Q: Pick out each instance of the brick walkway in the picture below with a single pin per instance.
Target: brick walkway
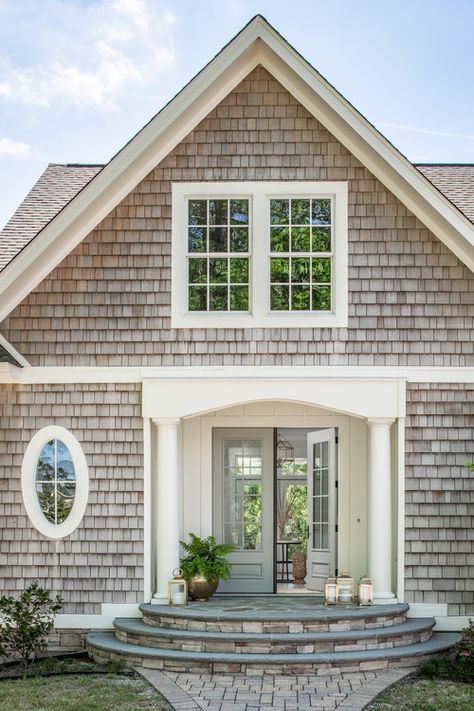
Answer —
(349, 691)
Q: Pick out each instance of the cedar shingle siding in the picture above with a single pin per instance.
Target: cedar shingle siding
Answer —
(102, 560)
(439, 563)
(108, 303)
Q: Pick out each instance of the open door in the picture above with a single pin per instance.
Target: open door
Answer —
(322, 508)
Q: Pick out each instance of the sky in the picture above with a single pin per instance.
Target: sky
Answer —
(78, 78)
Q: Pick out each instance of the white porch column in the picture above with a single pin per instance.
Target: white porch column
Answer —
(167, 505)
(380, 508)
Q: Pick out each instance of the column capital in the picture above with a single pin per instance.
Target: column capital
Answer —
(170, 421)
(381, 421)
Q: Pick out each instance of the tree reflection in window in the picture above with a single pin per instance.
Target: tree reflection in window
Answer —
(55, 481)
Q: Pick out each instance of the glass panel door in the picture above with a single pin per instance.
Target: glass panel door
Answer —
(243, 505)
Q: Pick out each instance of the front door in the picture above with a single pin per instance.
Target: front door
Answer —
(322, 508)
(243, 505)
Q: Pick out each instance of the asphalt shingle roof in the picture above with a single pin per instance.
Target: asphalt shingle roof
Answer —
(54, 189)
(456, 181)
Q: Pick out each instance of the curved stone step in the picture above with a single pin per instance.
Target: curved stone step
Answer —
(135, 631)
(103, 646)
(257, 615)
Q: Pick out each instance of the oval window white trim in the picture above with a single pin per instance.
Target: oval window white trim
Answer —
(28, 482)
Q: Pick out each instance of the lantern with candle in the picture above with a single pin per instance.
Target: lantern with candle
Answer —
(365, 591)
(330, 591)
(345, 588)
(177, 589)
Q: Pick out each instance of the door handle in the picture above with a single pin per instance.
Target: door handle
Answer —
(307, 532)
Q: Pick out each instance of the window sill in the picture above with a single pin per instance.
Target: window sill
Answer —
(277, 320)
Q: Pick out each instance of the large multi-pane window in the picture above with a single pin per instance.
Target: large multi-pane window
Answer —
(218, 255)
(259, 254)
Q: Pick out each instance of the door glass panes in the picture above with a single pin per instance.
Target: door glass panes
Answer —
(320, 503)
(55, 481)
(243, 493)
(218, 259)
(301, 254)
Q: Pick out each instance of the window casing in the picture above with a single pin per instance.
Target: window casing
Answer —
(259, 254)
(55, 481)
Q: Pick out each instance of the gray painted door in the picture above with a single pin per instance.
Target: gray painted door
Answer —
(322, 507)
(243, 505)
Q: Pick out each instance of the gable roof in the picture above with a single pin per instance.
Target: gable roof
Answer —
(257, 44)
(53, 190)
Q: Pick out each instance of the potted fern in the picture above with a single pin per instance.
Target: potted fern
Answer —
(204, 563)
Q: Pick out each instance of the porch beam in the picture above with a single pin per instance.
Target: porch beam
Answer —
(380, 508)
(166, 505)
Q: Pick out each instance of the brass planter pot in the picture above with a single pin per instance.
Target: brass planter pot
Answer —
(200, 589)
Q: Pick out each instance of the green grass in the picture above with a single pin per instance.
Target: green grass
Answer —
(80, 693)
(426, 695)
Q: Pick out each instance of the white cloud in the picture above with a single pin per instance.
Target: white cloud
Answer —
(9, 147)
(115, 45)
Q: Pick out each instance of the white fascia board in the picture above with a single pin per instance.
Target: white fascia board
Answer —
(115, 181)
(129, 374)
(258, 43)
(362, 139)
(13, 352)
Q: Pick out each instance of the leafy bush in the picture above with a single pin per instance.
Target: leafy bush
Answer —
(205, 557)
(459, 667)
(26, 622)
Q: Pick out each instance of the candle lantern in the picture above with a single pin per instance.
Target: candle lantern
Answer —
(330, 591)
(345, 588)
(177, 589)
(365, 591)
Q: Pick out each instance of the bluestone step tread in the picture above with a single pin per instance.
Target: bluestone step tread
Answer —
(246, 611)
(439, 642)
(133, 625)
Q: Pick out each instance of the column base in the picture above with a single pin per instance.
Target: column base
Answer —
(159, 599)
(384, 599)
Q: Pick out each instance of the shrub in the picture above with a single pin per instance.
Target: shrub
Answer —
(26, 622)
(459, 667)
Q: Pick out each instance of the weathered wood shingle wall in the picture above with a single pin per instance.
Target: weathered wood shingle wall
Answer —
(108, 303)
(102, 560)
(440, 496)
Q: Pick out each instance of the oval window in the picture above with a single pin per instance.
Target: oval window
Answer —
(55, 481)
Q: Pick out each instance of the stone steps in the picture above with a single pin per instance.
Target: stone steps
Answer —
(270, 635)
(104, 646)
(134, 631)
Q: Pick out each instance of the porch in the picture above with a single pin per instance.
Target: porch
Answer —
(184, 418)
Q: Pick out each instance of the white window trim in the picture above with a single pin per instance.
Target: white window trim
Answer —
(28, 482)
(259, 193)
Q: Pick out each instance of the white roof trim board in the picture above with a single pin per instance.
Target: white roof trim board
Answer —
(257, 44)
(7, 346)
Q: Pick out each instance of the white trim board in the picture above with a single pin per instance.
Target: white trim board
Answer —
(131, 374)
(257, 44)
(109, 612)
(13, 352)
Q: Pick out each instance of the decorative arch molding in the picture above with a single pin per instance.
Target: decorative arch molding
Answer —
(28, 482)
(186, 397)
